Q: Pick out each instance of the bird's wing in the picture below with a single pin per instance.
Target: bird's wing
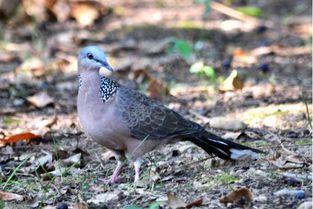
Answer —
(149, 119)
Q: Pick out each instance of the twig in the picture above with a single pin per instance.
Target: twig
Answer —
(234, 13)
(281, 51)
(13, 112)
(276, 138)
(101, 164)
(199, 161)
(141, 143)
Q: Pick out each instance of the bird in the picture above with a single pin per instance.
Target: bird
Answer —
(130, 124)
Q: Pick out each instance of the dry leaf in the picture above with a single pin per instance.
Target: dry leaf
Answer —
(79, 205)
(197, 202)
(85, 12)
(105, 197)
(232, 83)
(8, 57)
(40, 99)
(154, 176)
(18, 137)
(8, 8)
(106, 156)
(43, 160)
(175, 202)
(157, 88)
(73, 160)
(7, 196)
(61, 9)
(242, 195)
(288, 161)
(33, 65)
(36, 9)
(243, 58)
(51, 121)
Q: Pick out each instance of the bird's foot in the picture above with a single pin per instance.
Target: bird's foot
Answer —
(115, 179)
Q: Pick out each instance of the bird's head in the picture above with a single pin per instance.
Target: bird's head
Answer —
(92, 58)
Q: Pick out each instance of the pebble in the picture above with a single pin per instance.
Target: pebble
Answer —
(293, 182)
(264, 67)
(298, 194)
(227, 63)
(61, 206)
(175, 153)
(261, 29)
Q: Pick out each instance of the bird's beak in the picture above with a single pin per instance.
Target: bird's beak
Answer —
(107, 66)
(105, 69)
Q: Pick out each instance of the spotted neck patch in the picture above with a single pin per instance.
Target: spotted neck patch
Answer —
(80, 81)
(108, 88)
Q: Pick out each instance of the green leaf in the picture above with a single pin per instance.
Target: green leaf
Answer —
(201, 69)
(2, 204)
(155, 205)
(183, 48)
(251, 11)
(132, 207)
(196, 67)
(209, 71)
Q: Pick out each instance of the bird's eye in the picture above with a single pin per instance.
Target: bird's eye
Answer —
(90, 56)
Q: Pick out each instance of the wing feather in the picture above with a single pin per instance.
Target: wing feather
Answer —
(149, 118)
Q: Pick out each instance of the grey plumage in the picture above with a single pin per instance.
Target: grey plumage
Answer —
(131, 124)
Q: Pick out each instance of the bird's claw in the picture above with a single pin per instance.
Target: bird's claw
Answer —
(115, 179)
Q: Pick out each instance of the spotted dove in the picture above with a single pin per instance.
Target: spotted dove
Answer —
(131, 124)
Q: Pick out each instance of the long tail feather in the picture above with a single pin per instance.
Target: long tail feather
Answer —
(223, 148)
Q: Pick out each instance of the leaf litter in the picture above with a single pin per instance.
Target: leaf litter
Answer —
(64, 165)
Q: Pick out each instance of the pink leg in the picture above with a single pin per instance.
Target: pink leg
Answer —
(137, 165)
(115, 177)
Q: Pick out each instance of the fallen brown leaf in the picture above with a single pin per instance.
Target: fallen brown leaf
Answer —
(242, 195)
(288, 162)
(157, 88)
(52, 121)
(40, 99)
(7, 196)
(85, 12)
(79, 205)
(232, 82)
(36, 9)
(280, 51)
(34, 65)
(175, 202)
(18, 137)
(61, 9)
(8, 8)
(197, 202)
(243, 58)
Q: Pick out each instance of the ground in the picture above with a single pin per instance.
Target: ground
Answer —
(270, 110)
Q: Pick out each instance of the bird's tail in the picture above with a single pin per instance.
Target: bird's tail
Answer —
(225, 149)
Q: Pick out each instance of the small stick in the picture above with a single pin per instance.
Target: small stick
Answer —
(234, 13)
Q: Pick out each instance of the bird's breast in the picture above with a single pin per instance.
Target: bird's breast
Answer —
(100, 121)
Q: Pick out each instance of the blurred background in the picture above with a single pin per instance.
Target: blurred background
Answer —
(242, 68)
